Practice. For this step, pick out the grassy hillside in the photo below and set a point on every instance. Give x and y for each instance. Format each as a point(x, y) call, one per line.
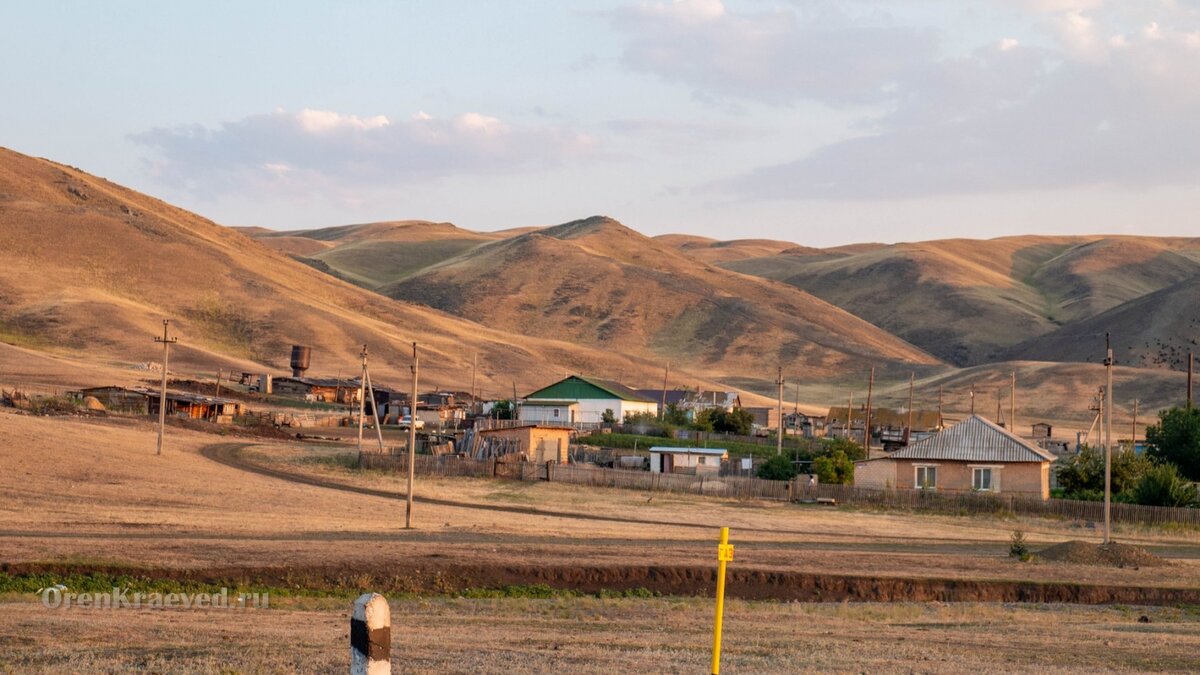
point(599, 283)
point(88, 270)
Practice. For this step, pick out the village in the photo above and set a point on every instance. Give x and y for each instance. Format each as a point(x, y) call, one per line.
point(589, 422)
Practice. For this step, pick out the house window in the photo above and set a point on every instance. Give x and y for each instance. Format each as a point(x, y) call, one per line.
point(981, 479)
point(926, 478)
point(556, 413)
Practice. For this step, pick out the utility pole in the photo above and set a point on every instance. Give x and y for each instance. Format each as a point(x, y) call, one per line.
point(972, 398)
point(412, 443)
point(796, 406)
point(162, 395)
point(908, 430)
point(666, 374)
point(849, 415)
point(941, 423)
point(362, 397)
point(375, 413)
point(217, 393)
point(867, 418)
point(474, 365)
point(1133, 427)
point(779, 430)
point(1189, 381)
point(1108, 402)
point(1012, 403)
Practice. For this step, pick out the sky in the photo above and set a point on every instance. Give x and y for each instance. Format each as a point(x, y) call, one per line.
point(818, 122)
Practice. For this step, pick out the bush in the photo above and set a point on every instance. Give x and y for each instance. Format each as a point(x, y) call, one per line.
point(777, 467)
point(1163, 485)
point(835, 468)
point(1176, 440)
point(1017, 547)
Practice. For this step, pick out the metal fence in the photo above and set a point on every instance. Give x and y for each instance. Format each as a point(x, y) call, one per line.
point(737, 487)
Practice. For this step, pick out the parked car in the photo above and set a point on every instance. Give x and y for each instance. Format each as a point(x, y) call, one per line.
point(406, 420)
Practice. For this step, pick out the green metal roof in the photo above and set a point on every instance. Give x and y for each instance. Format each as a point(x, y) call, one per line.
point(577, 387)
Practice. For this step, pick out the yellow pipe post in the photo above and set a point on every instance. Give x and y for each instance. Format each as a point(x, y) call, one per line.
point(724, 555)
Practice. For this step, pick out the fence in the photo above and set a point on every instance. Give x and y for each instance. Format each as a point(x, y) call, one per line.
point(736, 487)
point(974, 502)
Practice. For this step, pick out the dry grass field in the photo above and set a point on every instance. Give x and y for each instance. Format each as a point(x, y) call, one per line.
point(90, 493)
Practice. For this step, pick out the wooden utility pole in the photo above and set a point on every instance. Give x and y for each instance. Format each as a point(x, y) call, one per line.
point(362, 397)
point(849, 415)
point(1108, 402)
point(162, 395)
point(666, 374)
point(474, 366)
point(972, 398)
point(1189, 381)
point(1012, 403)
point(867, 417)
point(412, 443)
point(908, 430)
point(779, 428)
point(217, 393)
point(375, 413)
point(1133, 427)
point(796, 406)
point(941, 423)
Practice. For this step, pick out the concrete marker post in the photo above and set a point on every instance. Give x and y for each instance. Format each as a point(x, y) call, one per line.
point(371, 636)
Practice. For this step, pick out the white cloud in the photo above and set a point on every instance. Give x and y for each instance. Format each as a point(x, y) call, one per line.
point(343, 152)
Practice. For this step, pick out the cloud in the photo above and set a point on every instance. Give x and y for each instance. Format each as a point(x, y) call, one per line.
point(1107, 101)
point(300, 151)
point(778, 57)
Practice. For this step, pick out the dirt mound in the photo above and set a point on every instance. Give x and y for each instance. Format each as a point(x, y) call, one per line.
point(1113, 554)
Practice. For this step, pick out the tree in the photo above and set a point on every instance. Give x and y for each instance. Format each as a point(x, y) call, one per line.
point(608, 416)
point(1176, 440)
point(834, 468)
point(675, 415)
point(846, 446)
point(1164, 486)
point(777, 467)
point(736, 421)
point(1082, 476)
point(503, 410)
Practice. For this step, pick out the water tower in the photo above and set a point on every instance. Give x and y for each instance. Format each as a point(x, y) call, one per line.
point(300, 360)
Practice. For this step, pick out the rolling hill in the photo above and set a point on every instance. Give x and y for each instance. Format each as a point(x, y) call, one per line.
point(88, 270)
point(974, 301)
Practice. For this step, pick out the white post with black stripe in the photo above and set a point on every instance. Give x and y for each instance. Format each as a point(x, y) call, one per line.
point(371, 636)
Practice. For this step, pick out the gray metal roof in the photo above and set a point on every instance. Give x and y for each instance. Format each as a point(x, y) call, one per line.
point(658, 449)
point(975, 440)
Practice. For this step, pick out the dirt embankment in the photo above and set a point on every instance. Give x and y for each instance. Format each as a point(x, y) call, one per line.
point(747, 584)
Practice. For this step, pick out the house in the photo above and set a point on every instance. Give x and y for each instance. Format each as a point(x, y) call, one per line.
point(698, 461)
point(1042, 430)
point(583, 401)
point(693, 401)
point(537, 442)
point(888, 425)
point(802, 424)
point(328, 389)
point(973, 455)
point(143, 401)
point(764, 418)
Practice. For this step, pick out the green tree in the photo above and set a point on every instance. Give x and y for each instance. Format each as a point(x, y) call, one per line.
point(736, 421)
point(846, 446)
point(1176, 439)
point(608, 416)
point(1164, 486)
point(503, 410)
point(777, 467)
point(1082, 475)
point(676, 416)
point(834, 468)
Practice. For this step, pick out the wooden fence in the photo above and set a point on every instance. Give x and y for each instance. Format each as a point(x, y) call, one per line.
point(736, 487)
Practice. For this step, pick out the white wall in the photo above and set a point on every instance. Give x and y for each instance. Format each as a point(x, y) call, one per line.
point(591, 411)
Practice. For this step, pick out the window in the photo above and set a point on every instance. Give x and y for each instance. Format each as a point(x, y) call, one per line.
point(556, 413)
point(926, 478)
point(981, 479)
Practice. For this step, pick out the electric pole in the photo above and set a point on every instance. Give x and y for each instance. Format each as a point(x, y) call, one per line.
point(1189, 382)
point(666, 374)
point(162, 395)
point(867, 417)
point(1108, 399)
point(1012, 403)
point(362, 397)
point(972, 398)
point(779, 429)
point(941, 423)
point(474, 365)
point(908, 429)
point(1133, 427)
point(412, 443)
point(850, 416)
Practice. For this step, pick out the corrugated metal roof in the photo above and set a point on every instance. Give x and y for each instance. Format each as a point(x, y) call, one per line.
point(974, 440)
point(688, 451)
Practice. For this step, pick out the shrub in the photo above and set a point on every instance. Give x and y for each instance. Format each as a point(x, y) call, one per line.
point(1163, 485)
point(777, 467)
point(737, 421)
point(834, 468)
point(608, 417)
point(1017, 547)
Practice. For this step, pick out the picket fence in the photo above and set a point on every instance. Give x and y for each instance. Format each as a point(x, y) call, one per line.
point(737, 487)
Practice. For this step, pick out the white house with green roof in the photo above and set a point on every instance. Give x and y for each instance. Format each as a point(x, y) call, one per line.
point(582, 401)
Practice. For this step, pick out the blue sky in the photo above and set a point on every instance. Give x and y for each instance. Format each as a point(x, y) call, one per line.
point(820, 122)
